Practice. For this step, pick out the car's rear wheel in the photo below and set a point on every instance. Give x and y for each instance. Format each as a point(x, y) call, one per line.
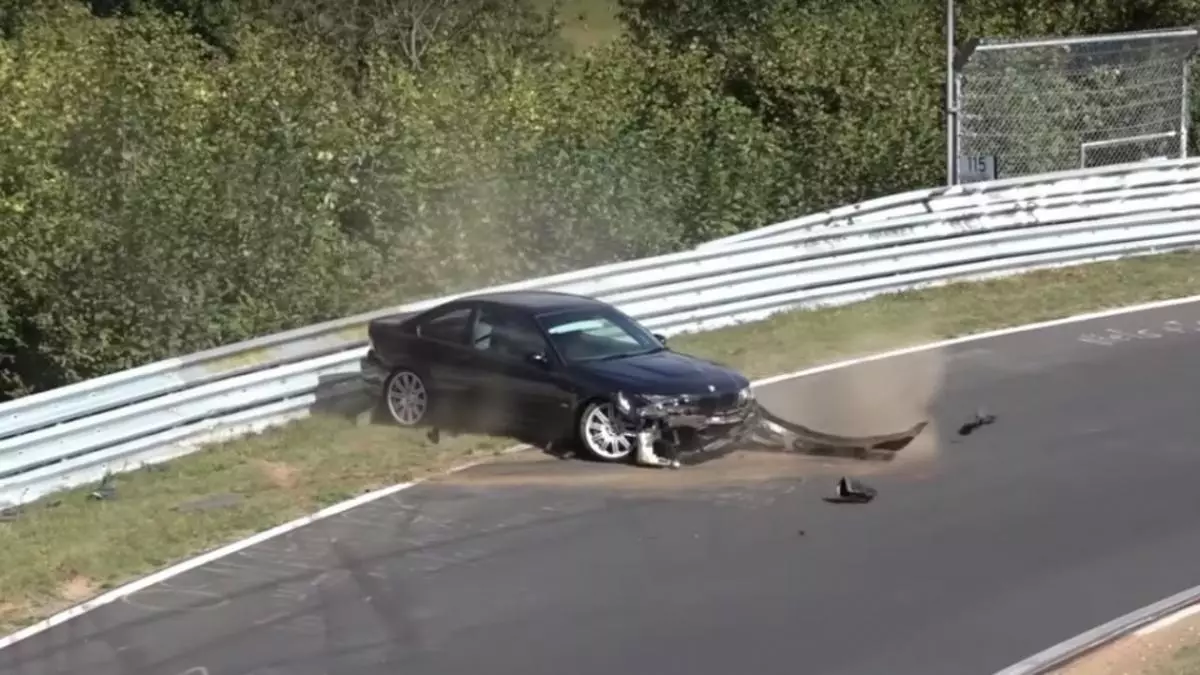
point(406, 397)
point(602, 435)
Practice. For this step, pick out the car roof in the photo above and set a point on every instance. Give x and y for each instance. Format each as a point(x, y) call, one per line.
point(538, 301)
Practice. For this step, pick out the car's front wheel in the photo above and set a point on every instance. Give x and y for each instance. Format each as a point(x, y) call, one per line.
point(406, 397)
point(602, 434)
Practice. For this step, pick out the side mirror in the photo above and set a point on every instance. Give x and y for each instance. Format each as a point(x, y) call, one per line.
point(661, 338)
point(538, 359)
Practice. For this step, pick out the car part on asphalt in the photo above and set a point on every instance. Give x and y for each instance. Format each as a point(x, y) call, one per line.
point(799, 438)
point(850, 491)
point(980, 419)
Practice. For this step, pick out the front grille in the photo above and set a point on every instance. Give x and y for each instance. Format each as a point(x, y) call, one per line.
point(712, 404)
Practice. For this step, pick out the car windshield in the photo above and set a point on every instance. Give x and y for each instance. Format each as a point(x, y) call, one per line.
point(596, 334)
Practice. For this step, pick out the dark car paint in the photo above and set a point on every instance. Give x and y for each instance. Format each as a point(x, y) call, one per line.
point(662, 372)
point(446, 365)
point(544, 398)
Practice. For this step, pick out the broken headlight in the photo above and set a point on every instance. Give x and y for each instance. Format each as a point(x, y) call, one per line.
point(745, 395)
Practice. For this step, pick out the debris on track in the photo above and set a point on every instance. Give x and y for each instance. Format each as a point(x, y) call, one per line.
point(850, 491)
point(980, 419)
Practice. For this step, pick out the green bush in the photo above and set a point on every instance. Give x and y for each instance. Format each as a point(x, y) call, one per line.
point(154, 204)
point(158, 198)
point(178, 179)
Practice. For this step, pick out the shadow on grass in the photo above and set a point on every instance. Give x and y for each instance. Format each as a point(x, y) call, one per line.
point(346, 397)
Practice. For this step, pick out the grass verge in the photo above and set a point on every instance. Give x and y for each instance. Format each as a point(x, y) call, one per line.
point(1184, 660)
point(68, 548)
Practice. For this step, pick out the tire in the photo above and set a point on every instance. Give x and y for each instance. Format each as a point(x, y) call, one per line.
point(595, 434)
point(406, 398)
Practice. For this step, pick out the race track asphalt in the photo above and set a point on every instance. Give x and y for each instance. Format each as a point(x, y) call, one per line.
point(1077, 505)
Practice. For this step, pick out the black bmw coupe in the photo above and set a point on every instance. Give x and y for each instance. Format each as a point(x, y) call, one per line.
point(554, 366)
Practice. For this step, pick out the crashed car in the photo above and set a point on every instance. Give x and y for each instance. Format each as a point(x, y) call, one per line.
point(562, 367)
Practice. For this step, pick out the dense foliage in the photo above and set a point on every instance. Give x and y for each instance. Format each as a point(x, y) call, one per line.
point(177, 174)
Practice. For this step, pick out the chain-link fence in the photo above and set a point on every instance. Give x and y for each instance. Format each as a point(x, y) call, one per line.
point(1027, 107)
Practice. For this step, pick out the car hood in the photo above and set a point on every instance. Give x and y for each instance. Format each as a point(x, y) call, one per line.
point(664, 372)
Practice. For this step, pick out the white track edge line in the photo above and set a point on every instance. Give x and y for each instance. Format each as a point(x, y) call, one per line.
point(229, 549)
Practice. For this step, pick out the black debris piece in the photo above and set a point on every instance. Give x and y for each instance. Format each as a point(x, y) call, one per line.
point(10, 514)
point(850, 491)
point(434, 435)
point(980, 419)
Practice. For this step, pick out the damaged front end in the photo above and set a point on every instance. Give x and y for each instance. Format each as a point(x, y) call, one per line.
point(670, 429)
point(670, 426)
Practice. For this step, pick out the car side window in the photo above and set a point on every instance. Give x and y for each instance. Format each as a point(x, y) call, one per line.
point(507, 334)
point(447, 327)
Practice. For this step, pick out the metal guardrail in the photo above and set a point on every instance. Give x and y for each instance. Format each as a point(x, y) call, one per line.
point(73, 435)
point(1098, 183)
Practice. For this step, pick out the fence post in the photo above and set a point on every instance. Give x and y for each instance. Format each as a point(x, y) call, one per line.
point(952, 118)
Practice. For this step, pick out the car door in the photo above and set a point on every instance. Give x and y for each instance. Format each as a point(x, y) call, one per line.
point(524, 393)
point(441, 349)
